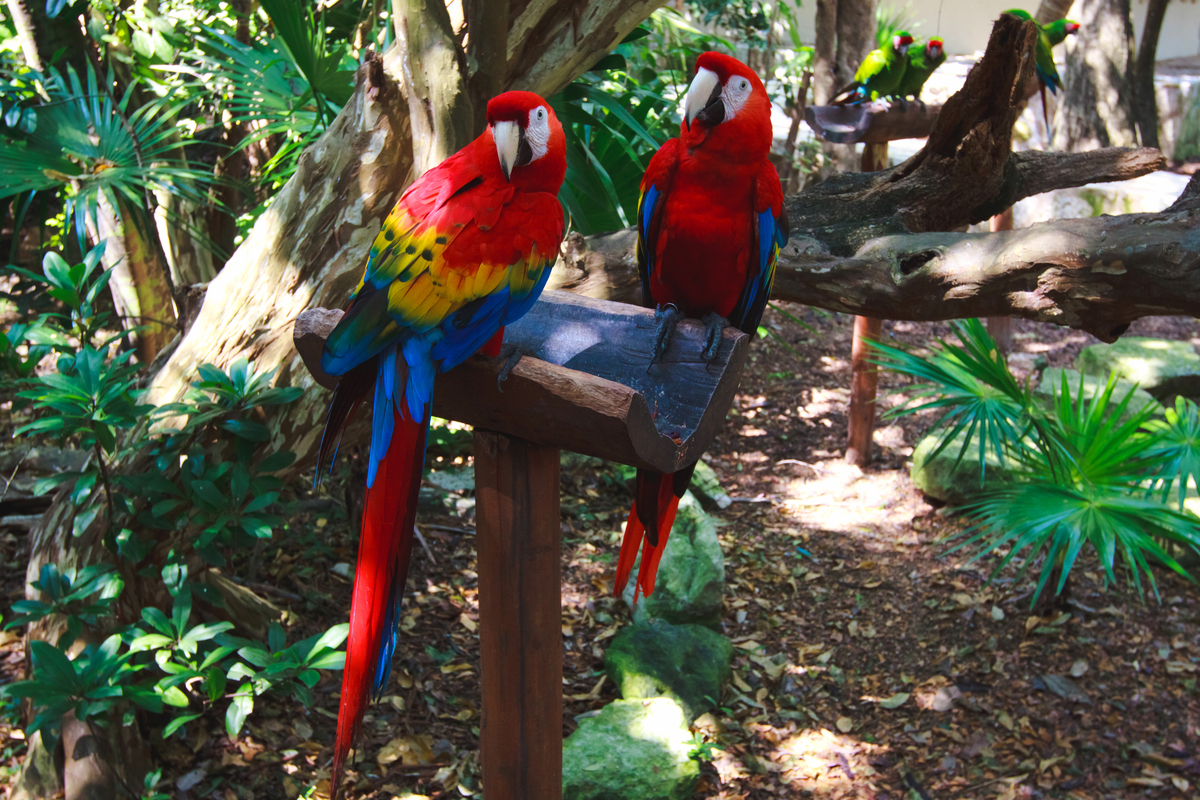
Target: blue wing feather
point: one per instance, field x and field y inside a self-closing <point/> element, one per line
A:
<point x="771" y="235"/>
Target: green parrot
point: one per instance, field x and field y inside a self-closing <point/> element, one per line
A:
<point x="1046" y="71"/>
<point x="922" y="62"/>
<point x="1057" y="31"/>
<point x="879" y="74"/>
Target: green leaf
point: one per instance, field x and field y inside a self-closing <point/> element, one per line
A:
<point x="51" y="664"/>
<point x="239" y="708"/>
<point x="177" y="723"/>
<point x="174" y="696"/>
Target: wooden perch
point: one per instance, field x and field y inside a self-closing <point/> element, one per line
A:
<point x="590" y="387"/>
<point x="871" y="124"/>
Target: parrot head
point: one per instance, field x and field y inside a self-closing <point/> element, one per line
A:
<point x="900" y="42"/>
<point x="726" y="101"/>
<point x="934" y="48"/>
<point x="530" y="144"/>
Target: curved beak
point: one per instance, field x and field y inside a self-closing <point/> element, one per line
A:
<point x="508" y="138"/>
<point x="703" y="100"/>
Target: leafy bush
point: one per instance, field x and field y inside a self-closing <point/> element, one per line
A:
<point x="203" y="486"/>
<point x="1086" y="471"/>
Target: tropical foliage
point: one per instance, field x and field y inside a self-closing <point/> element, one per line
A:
<point x="1085" y="472"/>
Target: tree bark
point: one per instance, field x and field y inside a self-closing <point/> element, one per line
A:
<point x="23" y="23"/>
<point x="855" y="30"/>
<point x="141" y="286"/>
<point x="1147" y="103"/>
<point x="1050" y="10"/>
<point x="824" y="63"/>
<point x="1097" y="97"/>
<point x="855" y="36"/>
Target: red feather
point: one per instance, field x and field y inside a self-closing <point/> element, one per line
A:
<point x="384" y="550"/>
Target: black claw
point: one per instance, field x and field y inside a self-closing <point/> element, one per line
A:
<point x="665" y="319"/>
<point x="714" y="325"/>
<point x="511" y="353"/>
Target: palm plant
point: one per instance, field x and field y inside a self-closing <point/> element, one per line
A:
<point x="105" y="158"/>
<point x="289" y="86"/>
<point x="1086" y="471"/>
<point x="96" y="149"/>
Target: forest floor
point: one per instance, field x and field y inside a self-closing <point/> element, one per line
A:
<point x="868" y="662"/>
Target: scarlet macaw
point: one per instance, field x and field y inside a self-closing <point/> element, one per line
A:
<point x="710" y="225"/>
<point x="466" y="250"/>
<point x="922" y="62"/>
<point x="879" y="74"/>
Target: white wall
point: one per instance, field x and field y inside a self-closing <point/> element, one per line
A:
<point x="966" y="24"/>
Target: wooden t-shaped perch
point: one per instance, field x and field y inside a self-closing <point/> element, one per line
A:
<point x="589" y="387"/>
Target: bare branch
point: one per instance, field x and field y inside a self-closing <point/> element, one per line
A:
<point x="1096" y="274"/>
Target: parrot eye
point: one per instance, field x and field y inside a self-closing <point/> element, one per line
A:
<point x="541" y="114"/>
<point x="745" y="84"/>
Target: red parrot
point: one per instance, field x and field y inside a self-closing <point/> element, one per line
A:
<point x="710" y="225"/>
<point x="466" y="250"/>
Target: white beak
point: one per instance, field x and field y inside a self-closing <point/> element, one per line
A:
<point x="507" y="136"/>
<point x="700" y="93"/>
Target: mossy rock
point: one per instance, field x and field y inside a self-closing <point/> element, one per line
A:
<point x="1093" y="385"/>
<point x="1159" y="366"/>
<point x="690" y="584"/>
<point x="946" y="477"/>
<point x="632" y="750"/>
<point x="688" y="663"/>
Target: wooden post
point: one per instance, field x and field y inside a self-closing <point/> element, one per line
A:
<point x="1001" y="327"/>
<point x="518" y="537"/>
<point x="864" y="376"/>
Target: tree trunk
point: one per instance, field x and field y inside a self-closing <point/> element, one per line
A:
<point x="141" y="286"/>
<point x="1050" y="10"/>
<point x="854" y="29"/>
<point x="824" y="63"/>
<point x="1097" y="98"/>
<point x="855" y="36"/>
<point x="23" y="22"/>
<point x="1147" y="104"/>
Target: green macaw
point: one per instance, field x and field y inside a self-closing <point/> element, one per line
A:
<point x="879" y="74"/>
<point x="1046" y="71"/>
<point x="1057" y="31"/>
<point x="922" y="61"/>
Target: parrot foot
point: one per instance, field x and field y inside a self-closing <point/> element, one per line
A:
<point x="715" y="324"/>
<point x="665" y="319"/>
<point x="510" y="354"/>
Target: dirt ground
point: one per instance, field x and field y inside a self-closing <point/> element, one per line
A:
<point x="868" y="664"/>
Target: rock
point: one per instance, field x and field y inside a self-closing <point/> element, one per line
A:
<point x="707" y="488"/>
<point x="944" y="477"/>
<point x="632" y="750"/>
<point x="1093" y="385"/>
<point x="691" y="575"/>
<point x="687" y="663"/>
<point x="1159" y="366"/>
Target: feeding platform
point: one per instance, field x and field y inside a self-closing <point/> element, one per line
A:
<point x="588" y="387"/>
<point x="871" y="123"/>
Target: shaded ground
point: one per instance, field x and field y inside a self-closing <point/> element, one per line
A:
<point x="867" y="665"/>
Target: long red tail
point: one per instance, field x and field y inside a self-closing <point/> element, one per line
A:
<point x="384" y="550"/>
<point x="655" y="503"/>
